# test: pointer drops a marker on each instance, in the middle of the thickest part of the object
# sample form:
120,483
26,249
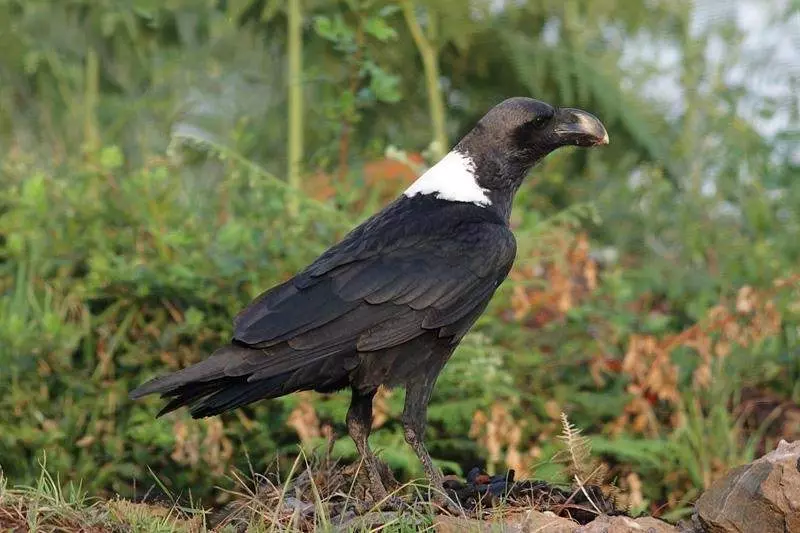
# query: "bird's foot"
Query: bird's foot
387,503
381,500
392,503
442,501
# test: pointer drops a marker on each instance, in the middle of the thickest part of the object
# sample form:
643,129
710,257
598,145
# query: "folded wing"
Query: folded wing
376,290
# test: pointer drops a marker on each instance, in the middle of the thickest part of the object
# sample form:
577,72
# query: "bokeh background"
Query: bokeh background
146,195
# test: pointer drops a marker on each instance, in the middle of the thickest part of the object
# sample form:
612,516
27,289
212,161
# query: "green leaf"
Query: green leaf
324,27
235,8
111,158
378,28
271,8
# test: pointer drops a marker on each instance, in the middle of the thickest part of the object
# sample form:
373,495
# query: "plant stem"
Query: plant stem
295,126
91,139
430,62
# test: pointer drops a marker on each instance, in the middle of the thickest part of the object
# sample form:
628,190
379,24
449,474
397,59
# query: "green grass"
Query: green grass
47,506
259,505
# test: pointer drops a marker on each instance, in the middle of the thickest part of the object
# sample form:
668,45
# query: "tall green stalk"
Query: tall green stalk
295,68
428,50
91,137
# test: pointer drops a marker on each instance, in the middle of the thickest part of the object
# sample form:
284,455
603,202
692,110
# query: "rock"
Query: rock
367,522
536,522
763,496
547,522
455,524
624,524
304,508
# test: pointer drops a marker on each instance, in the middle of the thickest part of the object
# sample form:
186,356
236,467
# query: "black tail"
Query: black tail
213,398
208,390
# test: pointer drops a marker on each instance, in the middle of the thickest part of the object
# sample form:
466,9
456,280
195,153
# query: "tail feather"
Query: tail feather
243,393
220,383
207,370
215,397
235,375
187,394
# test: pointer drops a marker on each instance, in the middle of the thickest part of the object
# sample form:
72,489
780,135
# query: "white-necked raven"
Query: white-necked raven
390,302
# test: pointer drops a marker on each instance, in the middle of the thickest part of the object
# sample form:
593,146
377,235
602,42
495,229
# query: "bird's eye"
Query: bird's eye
540,121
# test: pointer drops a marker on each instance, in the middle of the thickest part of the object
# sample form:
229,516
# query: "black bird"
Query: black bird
390,302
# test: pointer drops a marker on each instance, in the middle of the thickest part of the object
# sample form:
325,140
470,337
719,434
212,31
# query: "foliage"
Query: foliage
142,204
259,505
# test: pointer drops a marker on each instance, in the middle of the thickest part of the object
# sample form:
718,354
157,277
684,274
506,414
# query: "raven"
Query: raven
389,303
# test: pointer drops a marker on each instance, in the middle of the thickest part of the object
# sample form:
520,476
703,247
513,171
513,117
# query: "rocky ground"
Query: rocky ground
761,497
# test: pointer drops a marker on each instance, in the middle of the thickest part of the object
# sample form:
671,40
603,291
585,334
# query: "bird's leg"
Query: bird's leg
415,414
359,424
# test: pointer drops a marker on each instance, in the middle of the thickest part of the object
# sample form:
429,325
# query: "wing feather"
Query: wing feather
347,327
399,330
415,268
374,295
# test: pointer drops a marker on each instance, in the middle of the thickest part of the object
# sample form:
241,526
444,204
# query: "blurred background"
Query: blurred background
161,163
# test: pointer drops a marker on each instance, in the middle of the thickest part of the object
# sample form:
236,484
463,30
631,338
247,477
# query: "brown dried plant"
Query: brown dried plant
577,455
502,437
303,419
751,318
204,441
567,274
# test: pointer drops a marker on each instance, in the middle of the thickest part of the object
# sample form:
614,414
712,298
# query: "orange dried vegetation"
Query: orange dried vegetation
212,447
745,322
303,419
501,435
565,282
387,176
380,407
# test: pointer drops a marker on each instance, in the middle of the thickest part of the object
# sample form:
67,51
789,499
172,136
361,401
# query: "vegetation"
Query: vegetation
145,199
46,505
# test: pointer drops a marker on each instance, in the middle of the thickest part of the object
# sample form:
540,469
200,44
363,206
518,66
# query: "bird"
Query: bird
389,303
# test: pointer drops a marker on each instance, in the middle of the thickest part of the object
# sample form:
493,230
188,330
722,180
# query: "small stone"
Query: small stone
762,496
547,522
454,524
304,508
624,524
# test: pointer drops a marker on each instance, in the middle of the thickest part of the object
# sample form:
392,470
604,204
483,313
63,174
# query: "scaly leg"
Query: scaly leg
359,424
415,420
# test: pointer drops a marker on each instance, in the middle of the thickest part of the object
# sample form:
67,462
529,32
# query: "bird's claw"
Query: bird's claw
393,503
448,505
387,503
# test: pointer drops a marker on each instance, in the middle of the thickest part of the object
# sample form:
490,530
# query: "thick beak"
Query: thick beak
574,126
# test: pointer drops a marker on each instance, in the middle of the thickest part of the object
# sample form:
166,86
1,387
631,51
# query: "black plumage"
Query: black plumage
390,302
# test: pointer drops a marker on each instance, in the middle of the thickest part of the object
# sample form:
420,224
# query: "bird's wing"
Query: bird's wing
377,290
388,282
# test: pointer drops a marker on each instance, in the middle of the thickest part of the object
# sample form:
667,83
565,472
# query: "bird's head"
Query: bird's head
519,132
488,164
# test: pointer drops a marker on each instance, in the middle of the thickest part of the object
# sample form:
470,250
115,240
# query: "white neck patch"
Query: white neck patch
453,179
